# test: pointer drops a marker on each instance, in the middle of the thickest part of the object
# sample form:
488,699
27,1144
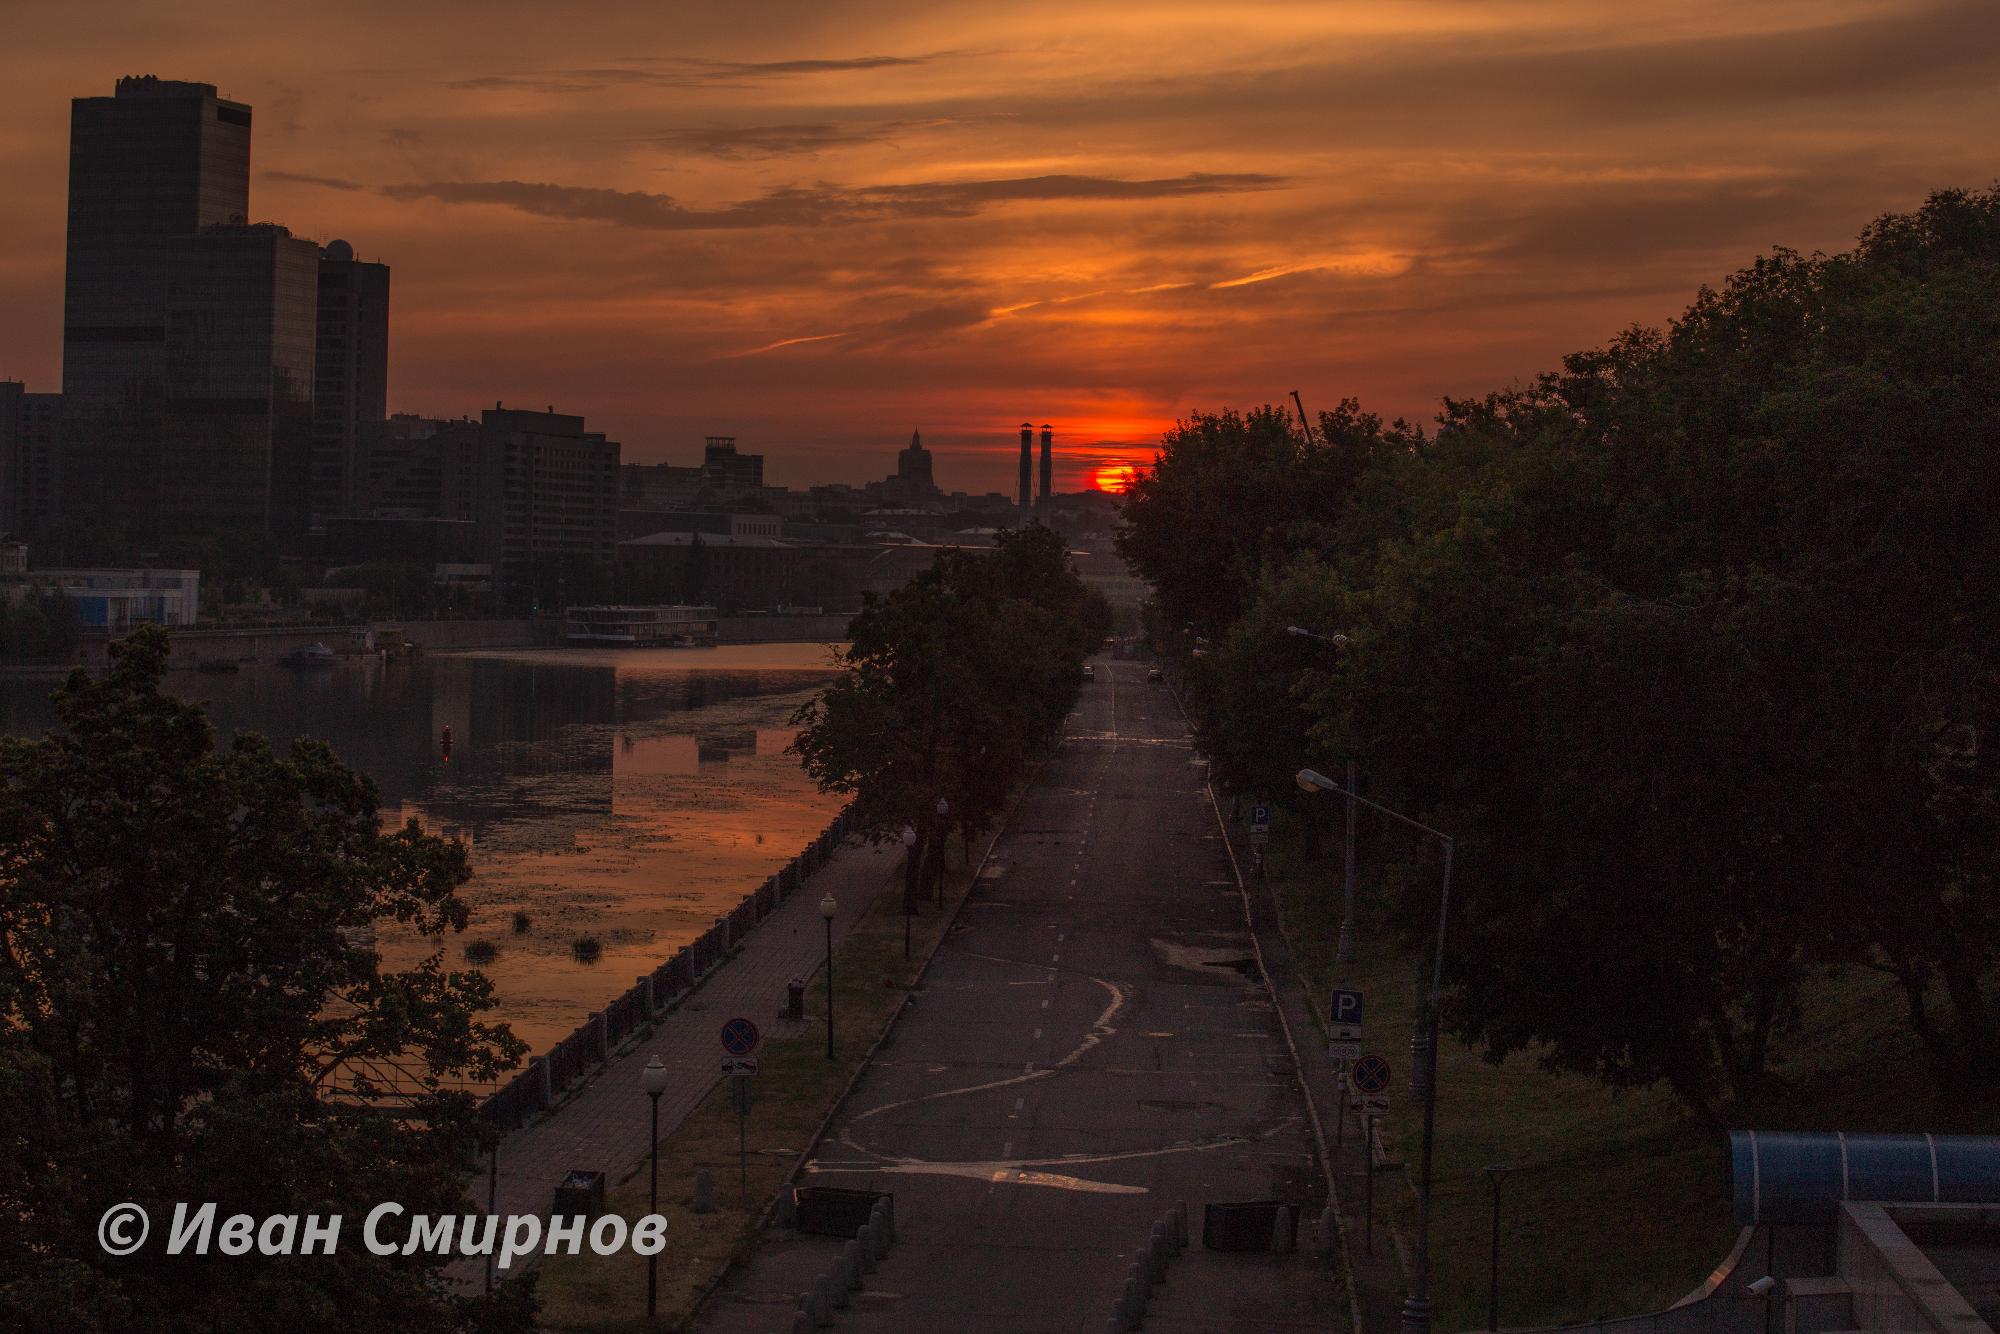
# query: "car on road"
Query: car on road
1153,677
1089,672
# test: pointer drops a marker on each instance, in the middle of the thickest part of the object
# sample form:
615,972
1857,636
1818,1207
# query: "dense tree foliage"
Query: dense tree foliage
40,627
1689,642
953,683
189,993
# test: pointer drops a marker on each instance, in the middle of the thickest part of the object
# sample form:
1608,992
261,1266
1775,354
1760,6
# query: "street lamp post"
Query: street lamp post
653,1079
1417,1309
827,908
1343,952
937,843
1496,1173
909,883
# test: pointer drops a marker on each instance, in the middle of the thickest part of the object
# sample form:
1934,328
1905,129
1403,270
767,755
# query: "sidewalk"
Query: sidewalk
603,1125
1377,1276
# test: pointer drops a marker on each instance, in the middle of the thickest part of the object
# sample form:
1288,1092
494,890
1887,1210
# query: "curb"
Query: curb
1298,1067
770,1209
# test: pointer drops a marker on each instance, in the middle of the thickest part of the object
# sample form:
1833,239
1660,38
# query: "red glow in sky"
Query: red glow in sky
820,229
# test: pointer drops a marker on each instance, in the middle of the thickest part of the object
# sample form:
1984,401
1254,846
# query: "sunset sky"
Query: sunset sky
816,226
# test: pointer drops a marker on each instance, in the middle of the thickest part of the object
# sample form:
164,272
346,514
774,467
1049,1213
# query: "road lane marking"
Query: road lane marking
1100,1029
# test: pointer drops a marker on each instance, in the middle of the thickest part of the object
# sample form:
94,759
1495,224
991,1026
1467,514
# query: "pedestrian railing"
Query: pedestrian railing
551,1075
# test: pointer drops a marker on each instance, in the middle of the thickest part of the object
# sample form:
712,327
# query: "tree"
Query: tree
1688,641
952,683
187,995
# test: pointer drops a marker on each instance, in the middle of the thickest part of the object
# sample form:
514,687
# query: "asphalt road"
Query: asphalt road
1092,1043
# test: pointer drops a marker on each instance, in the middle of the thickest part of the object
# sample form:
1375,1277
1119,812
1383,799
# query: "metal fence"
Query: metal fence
549,1076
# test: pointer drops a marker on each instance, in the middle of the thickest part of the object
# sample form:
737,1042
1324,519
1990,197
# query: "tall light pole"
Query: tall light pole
937,843
909,883
827,908
1343,952
1496,1173
1417,1310
653,1079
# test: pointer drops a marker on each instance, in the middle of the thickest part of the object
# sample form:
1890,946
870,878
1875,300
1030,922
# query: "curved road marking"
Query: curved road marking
1100,1029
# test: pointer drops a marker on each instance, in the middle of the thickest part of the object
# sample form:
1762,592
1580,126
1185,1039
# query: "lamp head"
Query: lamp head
653,1078
827,907
943,807
909,836
1311,780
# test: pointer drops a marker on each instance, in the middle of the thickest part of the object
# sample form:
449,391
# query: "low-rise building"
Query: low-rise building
114,601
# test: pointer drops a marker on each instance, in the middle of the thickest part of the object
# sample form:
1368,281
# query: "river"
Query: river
621,797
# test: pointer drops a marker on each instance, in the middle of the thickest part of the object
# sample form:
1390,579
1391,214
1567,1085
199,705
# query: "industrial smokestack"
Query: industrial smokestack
1048,461
1027,462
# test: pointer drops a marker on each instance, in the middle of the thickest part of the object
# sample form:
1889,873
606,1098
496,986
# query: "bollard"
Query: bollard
801,1323
822,1301
704,1191
850,1264
1282,1237
1133,1306
865,1248
837,1285
879,1216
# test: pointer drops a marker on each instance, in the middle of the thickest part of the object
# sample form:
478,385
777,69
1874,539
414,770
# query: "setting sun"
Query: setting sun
1114,477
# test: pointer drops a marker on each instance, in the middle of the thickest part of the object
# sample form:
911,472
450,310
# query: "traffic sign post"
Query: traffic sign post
739,1093
1260,819
1344,1016
1368,1160
1371,1075
739,1038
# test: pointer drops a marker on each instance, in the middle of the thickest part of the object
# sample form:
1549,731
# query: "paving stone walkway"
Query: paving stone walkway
603,1124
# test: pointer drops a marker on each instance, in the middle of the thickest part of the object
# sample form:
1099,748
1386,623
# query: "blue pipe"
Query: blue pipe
1793,1177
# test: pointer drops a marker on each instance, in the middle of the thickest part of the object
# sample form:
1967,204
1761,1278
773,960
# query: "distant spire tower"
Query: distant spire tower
1048,462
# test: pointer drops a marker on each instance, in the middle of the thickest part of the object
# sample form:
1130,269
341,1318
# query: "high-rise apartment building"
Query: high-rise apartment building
728,470
351,386
30,425
547,507
155,163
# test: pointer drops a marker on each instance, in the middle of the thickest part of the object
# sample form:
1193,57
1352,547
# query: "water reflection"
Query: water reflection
622,797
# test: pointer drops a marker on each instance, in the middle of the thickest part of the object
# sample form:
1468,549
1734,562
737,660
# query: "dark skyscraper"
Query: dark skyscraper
351,386
155,163
1027,464
913,465
1048,463
241,306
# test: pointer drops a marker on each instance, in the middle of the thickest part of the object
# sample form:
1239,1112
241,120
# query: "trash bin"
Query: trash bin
1245,1227
833,1211
795,998
580,1192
